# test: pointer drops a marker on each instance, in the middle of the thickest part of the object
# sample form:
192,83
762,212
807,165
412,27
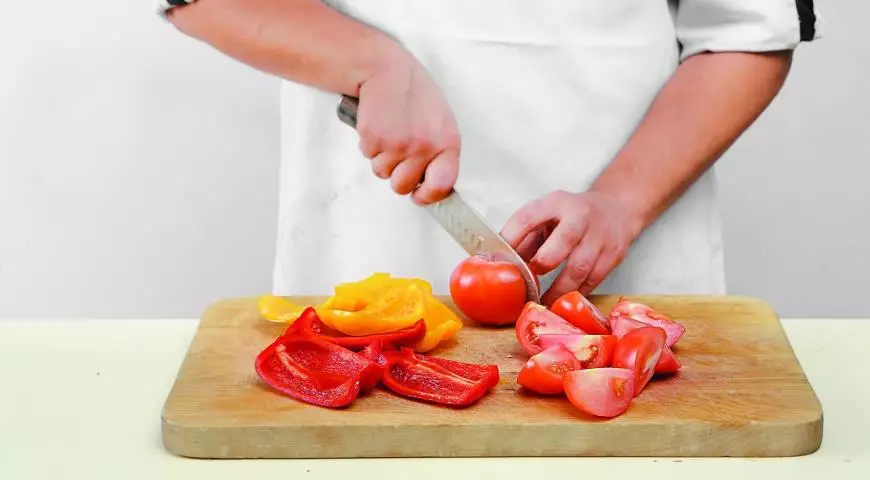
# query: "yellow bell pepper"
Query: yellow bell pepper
441,324
353,296
279,309
396,308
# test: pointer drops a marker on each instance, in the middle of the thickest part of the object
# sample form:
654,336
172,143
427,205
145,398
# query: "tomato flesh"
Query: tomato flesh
623,325
543,372
593,351
639,351
488,292
581,313
535,322
649,316
602,392
668,362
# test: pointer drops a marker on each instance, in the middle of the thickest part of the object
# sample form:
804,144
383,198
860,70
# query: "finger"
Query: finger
567,234
370,146
529,218
408,174
607,261
581,262
529,246
439,178
384,163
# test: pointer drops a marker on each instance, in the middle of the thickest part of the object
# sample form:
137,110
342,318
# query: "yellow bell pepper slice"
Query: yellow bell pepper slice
441,324
343,303
279,309
397,308
353,296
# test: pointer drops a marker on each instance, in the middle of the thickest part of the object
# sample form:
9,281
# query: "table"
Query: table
82,399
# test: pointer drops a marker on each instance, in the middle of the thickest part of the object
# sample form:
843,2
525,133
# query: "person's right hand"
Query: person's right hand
408,131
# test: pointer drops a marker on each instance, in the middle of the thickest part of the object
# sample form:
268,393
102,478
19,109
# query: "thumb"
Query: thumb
438,180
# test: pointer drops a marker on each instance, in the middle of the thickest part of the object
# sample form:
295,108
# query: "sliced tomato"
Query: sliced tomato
639,351
581,313
668,362
593,351
536,321
645,314
543,372
602,392
623,325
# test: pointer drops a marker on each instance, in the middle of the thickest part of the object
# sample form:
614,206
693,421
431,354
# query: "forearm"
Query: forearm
709,101
303,41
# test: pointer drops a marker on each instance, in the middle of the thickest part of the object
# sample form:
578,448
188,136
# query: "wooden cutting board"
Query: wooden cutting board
741,393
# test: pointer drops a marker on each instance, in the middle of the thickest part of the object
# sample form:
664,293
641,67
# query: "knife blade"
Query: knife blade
461,221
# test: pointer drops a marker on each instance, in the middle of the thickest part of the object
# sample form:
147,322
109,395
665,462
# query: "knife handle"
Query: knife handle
346,110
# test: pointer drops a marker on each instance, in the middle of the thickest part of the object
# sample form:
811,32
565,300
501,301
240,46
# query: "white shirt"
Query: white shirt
545,94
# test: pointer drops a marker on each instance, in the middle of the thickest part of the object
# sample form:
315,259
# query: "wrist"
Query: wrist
383,55
626,199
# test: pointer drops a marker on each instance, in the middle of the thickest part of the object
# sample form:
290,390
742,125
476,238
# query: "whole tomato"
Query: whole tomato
487,291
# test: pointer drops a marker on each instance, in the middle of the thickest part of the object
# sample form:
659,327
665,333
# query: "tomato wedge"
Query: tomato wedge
645,314
543,372
592,351
623,325
535,321
639,351
581,313
602,392
668,362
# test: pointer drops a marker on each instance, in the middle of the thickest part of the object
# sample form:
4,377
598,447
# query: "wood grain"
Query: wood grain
741,393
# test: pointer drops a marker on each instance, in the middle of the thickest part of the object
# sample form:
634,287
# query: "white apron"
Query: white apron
545,94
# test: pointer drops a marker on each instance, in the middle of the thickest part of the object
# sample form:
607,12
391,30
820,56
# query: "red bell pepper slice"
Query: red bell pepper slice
310,324
437,380
375,352
315,371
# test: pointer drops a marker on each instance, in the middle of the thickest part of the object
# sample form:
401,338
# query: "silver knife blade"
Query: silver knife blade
477,237
462,222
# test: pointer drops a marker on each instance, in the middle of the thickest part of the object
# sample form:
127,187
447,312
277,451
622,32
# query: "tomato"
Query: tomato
622,325
487,291
668,362
580,312
593,351
603,392
639,351
645,314
543,372
536,322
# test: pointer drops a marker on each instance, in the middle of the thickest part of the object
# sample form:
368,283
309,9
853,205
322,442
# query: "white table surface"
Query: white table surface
82,399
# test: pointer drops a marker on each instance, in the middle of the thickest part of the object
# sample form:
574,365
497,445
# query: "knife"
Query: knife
461,221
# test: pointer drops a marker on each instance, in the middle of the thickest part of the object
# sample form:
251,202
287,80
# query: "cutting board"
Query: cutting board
741,392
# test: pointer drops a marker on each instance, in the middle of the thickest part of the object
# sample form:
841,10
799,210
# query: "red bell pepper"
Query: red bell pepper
315,371
375,352
310,324
437,380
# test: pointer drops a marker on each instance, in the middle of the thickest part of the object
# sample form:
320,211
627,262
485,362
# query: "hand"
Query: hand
408,131
591,230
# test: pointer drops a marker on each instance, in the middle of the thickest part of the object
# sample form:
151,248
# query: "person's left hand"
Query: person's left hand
591,229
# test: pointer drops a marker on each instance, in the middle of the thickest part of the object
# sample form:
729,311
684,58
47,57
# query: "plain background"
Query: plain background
138,170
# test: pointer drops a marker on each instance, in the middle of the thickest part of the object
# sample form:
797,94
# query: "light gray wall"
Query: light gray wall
795,194
138,170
